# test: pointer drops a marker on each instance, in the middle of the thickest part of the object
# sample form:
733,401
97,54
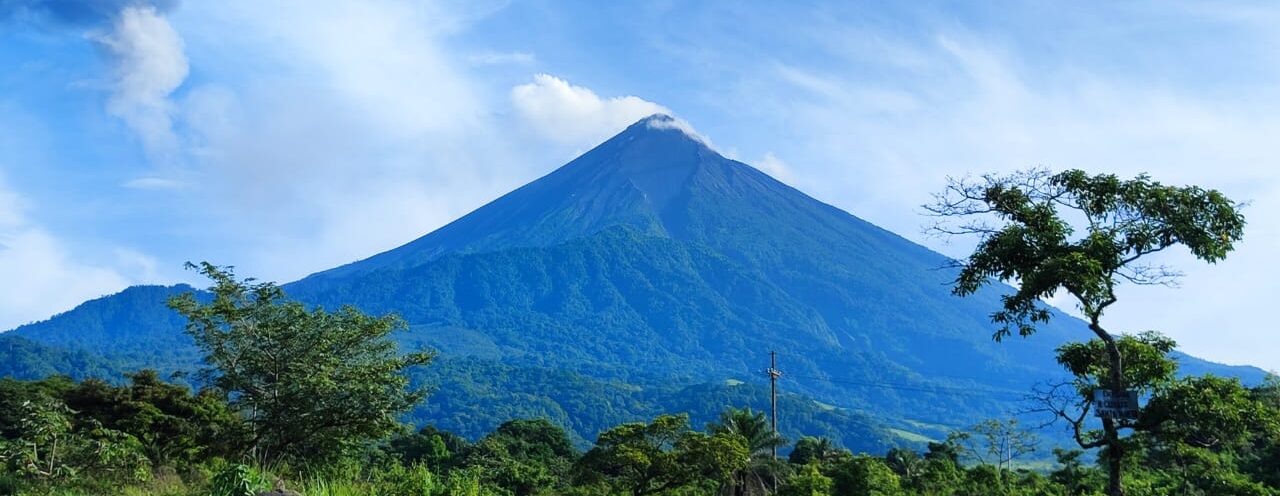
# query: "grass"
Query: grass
825,406
911,436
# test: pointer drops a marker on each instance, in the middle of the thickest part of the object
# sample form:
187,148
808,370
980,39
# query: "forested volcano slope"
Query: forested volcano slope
639,278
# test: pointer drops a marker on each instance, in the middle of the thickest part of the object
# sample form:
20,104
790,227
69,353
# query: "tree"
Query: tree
1201,429
52,446
1264,462
808,481
307,381
1148,369
760,475
174,426
663,455
997,443
1075,478
817,449
430,446
865,475
1082,234
1208,412
905,462
524,456
940,472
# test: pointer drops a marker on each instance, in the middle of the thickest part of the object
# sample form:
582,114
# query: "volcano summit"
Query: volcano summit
653,274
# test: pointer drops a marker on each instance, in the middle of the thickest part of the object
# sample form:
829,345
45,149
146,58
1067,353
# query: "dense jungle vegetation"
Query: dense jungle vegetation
1206,436
300,400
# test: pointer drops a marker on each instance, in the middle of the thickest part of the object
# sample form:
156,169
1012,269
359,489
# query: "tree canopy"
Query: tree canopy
1083,234
309,382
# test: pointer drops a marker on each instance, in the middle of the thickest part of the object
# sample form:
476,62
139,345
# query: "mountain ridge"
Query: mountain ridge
652,260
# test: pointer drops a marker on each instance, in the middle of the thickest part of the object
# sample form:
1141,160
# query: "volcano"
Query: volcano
653,274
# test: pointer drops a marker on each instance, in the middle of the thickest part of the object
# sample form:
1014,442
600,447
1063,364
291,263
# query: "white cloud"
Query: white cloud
357,131
154,183
502,58
664,121
574,114
149,66
42,276
979,106
11,208
383,58
772,165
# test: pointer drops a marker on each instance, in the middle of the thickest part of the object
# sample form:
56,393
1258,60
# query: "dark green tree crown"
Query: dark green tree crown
1077,232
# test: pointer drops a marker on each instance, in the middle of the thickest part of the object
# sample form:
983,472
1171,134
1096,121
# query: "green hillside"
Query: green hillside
637,279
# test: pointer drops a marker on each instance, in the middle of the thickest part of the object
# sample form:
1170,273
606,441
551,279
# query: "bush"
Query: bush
235,480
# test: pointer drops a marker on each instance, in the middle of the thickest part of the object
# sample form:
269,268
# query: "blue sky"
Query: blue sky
287,137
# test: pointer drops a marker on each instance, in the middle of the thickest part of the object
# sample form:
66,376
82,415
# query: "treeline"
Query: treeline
307,401
149,436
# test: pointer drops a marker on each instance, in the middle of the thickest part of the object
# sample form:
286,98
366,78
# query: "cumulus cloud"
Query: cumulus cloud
149,65
573,114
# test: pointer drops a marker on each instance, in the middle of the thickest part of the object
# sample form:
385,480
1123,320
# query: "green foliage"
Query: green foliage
817,449
235,480
51,446
27,359
523,456
1084,235
807,481
996,442
434,448
761,442
1076,478
309,382
663,455
620,325
866,476
415,480
174,426
472,397
43,440
1147,365
1039,243
1208,412
1211,436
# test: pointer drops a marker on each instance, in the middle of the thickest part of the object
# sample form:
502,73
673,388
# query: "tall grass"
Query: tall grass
240,480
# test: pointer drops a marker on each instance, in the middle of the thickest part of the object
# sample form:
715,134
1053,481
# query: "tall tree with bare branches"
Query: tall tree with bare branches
1085,235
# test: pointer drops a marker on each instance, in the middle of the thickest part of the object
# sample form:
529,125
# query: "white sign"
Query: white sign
1108,404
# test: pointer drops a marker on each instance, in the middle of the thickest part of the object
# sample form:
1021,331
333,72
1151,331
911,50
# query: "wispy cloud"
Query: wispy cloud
154,183
502,58
361,131
878,148
774,166
312,133
149,65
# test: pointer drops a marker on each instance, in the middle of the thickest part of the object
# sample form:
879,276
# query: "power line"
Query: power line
944,376
774,374
906,387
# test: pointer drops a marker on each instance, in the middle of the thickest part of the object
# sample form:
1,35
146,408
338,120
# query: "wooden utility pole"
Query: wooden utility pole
774,374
